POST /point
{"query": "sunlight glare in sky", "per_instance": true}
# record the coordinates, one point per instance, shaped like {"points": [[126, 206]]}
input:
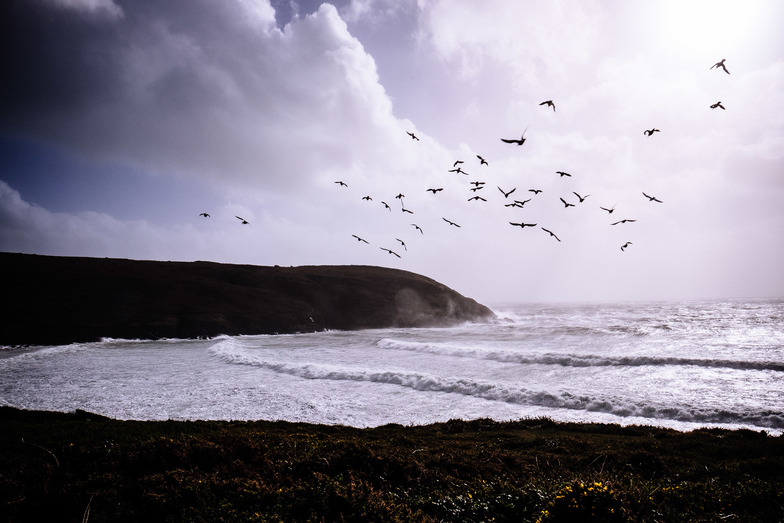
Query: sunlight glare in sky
{"points": [[700, 26]]}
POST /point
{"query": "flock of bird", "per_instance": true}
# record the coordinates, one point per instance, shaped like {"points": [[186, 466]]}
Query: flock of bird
{"points": [[477, 186]]}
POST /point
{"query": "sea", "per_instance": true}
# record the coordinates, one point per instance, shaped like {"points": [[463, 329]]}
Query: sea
{"points": [[682, 365]]}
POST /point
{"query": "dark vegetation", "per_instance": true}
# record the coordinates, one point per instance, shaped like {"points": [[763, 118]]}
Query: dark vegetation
{"points": [[71, 467], [59, 300]]}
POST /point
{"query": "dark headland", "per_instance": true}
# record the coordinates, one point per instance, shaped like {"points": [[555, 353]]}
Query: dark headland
{"points": [[57, 300]]}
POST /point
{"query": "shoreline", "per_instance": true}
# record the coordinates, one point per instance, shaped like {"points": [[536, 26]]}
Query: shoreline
{"points": [[57, 464]]}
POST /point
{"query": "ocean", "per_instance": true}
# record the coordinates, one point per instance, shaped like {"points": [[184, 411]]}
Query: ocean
{"points": [[681, 365]]}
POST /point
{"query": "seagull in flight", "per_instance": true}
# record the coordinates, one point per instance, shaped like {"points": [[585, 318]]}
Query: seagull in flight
{"points": [[360, 239], [562, 174], [518, 203], [387, 206], [551, 233], [400, 196], [457, 162], [506, 193], [450, 222], [608, 210], [582, 198], [477, 198], [243, 220], [566, 204], [417, 227], [720, 64], [434, 191], [206, 215], [649, 132], [535, 191], [477, 188], [623, 221], [402, 243], [341, 183], [482, 161], [406, 210], [458, 171], [477, 184], [550, 103], [522, 225], [623, 247], [519, 142], [368, 198], [390, 251], [412, 135], [652, 198], [718, 105]]}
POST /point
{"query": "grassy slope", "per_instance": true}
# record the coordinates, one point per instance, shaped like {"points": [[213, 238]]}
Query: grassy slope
{"points": [[53, 466]]}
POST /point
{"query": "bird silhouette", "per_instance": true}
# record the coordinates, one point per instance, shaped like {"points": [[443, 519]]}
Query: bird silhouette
{"points": [[581, 198], [477, 188], [387, 206], [522, 203], [551, 233], [562, 174], [417, 227], [535, 191], [406, 210], [457, 162], [477, 184], [566, 204], [506, 193], [608, 210], [718, 105], [206, 215], [413, 136], [652, 198], [649, 132], [623, 221], [550, 103], [243, 220], [402, 243], [400, 196], [623, 247], [477, 198], [450, 222], [390, 251], [523, 225], [434, 191], [458, 171], [720, 64], [482, 161], [519, 142], [341, 183], [368, 198], [360, 239]]}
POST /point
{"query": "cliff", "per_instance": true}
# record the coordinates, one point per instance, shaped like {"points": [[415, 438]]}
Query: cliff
{"points": [[57, 300]]}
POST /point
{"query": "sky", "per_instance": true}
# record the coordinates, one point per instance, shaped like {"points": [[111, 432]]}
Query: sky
{"points": [[122, 121]]}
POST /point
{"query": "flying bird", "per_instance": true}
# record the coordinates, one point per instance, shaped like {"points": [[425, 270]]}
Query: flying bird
{"points": [[368, 198], [551, 233], [206, 215], [387, 206], [458, 171], [581, 198], [608, 210], [400, 196], [649, 132], [243, 220], [477, 184], [436, 190], [477, 188], [535, 191], [550, 103], [519, 142], [720, 64], [652, 198], [341, 183], [406, 210], [566, 204], [360, 239], [450, 222], [477, 198], [562, 174], [457, 162], [523, 225], [482, 161], [413, 136], [718, 105], [390, 251], [623, 221], [521, 203], [623, 247], [417, 227], [402, 243], [506, 193]]}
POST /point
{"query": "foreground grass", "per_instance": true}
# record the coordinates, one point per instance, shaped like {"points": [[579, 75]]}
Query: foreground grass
{"points": [[72, 467]]}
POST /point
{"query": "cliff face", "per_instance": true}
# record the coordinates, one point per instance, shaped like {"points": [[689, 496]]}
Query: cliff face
{"points": [[55, 300]]}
